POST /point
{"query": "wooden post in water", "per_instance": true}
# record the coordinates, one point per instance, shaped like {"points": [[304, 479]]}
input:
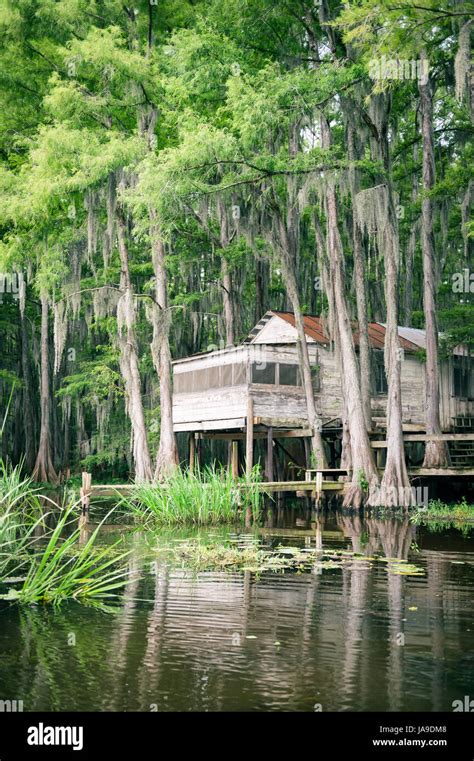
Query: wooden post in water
{"points": [[192, 451], [249, 439], [318, 487], [86, 493]]}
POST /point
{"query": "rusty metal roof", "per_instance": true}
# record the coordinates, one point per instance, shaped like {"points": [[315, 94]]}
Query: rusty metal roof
{"points": [[314, 328]]}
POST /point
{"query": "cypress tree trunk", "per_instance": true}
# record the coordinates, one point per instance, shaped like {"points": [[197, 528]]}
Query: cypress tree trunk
{"points": [[226, 277], [44, 468], [395, 487], [28, 413], [129, 362], [291, 288], [167, 457], [436, 452], [361, 452], [360, 283], [410, 252]]}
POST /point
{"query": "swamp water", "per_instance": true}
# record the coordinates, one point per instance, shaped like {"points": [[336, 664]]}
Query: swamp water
{"points": [[355, 630]]}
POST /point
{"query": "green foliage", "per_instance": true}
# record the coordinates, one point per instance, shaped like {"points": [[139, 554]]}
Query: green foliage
{"points": [[58, 568], [16, 491], [439, 510], [210, 496]]}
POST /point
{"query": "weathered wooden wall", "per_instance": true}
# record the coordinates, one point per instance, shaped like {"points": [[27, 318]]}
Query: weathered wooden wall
{"points": [[226, 407]]}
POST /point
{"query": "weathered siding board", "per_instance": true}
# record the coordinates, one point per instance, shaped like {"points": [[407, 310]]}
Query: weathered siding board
{"points": [[413, 390], [329, 398], [278, 401], [214, 359], [209, 425], [214, 404]]}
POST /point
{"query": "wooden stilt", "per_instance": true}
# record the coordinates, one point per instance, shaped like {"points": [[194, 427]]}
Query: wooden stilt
{"points": [[192, 451], [235, 459], [307, 452], [270, 454], [318, 487], [249, 439], [198, 447], [379, 458]]}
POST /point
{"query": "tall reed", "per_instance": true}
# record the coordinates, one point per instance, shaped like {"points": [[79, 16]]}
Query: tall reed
{"points": [[56, 567], [203, 497], [17, 491]]}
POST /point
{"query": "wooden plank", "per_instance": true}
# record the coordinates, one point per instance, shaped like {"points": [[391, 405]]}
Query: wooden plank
{"points": [[331, 471], [278, 433], [427, 437], [111, 490], [209, 425], [441, 471], [280, 422]]}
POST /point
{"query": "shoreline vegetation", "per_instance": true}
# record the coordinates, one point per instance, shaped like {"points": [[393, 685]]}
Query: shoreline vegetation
{"points": [[40, 563], [204, 497], [48, 556], [439, 510]]}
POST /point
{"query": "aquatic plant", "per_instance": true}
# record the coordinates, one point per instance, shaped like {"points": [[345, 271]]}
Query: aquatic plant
{"points": [[437, 510], [55, 568], [204, 497], [251, 555], [17, 491]]}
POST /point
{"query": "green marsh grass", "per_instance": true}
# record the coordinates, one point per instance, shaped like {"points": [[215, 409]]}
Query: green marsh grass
{"points": [[437, 510], [54, 567], [17, 491], [204, 497]]}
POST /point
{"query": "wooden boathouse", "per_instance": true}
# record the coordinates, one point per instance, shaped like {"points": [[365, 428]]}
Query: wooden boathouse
{"points": [[253, 391], [251, 397]]}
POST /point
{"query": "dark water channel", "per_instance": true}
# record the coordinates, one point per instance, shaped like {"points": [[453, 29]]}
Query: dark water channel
{"points": [[358, 637]]}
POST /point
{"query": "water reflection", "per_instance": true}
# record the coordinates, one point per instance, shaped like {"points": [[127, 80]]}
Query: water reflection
{"points": [[352, 638]]}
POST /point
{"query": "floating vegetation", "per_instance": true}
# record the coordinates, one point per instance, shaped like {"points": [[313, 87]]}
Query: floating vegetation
{"points": [[254, 557]]}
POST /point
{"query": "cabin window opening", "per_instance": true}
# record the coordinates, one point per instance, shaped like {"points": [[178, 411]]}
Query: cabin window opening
{"points": [[289, 375], [263, 372], [226, 375], [380, 385], [183, 382], [463, 378], [239, 373], [205, 378]]}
